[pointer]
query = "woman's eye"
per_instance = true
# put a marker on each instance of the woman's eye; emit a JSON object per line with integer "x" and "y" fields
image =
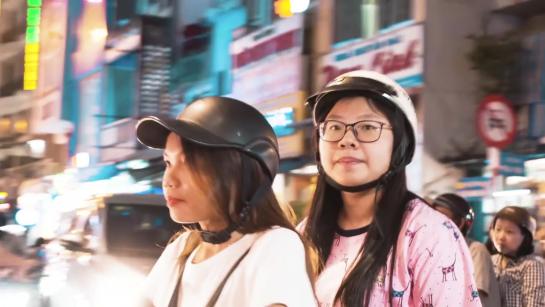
{"x": 367, "y": 127}
{"x": 167, "y": 163}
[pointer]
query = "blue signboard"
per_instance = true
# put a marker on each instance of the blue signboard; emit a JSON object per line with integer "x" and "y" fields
{"x": 511, "y": 164}
{"x": 282, "y": 121}
{"x": 474, "y": 188}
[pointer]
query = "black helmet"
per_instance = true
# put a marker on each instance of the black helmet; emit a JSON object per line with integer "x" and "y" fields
{"x": 517, "y": 215}
{"x": 217, "y": 122}
{"x": 459, "y": 207}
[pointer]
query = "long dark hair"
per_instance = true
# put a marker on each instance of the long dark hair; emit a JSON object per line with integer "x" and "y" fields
{"x": 232, "y": 177}
{"x": 385, "y": 228}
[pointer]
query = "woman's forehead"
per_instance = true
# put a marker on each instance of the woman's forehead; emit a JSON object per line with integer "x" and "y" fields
{"x": 173, "y": 144}
{"x": 355, "y": 108}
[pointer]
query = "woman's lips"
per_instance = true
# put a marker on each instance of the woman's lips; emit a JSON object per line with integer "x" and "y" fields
{"x": 349, "y": 160}
{"x": 171, "y": 201}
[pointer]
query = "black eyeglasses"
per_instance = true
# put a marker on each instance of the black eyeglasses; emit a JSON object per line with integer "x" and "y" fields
{"x": 365, "y": 131}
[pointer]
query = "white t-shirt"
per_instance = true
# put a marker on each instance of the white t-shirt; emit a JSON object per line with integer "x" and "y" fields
{"x": 273, "y": 272}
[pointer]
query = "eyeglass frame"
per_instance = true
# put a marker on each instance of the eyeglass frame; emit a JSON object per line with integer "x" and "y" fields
{"x": 346, "y": 126}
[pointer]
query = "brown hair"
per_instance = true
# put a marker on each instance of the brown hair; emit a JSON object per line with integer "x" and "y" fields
{"x": 220, "y": 170}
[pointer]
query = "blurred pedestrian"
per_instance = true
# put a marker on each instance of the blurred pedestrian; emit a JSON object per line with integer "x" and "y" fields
{"x": 16, "y": 267}
{"x": 380, "y": 245}
{"x": 14, "y": 261}
{"x": 540, "y": 238}
{"x": 221, "y": 157}
{"x": 460, "y": 212}
{"x": 520, "y": 274}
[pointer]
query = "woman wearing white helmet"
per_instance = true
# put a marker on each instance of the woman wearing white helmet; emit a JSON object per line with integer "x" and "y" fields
{"x": 380, "y": 245}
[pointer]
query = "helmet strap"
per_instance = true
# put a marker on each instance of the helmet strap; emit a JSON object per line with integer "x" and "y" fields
{"x": 222, "y": 236}
{"x": 377, "y": 183}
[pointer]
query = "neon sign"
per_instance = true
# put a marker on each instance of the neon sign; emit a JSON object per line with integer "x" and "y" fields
{"x": 281, "y": 121}
{"x": 32, "y": 44}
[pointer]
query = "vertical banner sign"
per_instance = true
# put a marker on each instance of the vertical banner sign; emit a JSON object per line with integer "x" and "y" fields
{"x": 32, "y": 44}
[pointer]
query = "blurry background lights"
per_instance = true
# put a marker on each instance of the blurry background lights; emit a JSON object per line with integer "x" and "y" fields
{"x": 519, "y": 192}
{"x": 37, "y": 148}
{"x": 99, "y": 34}
{"x": 299, "y": 6}
{"x": 4, "y": 207}
{"x": 26, "y": 217}
{"x": 286, "y": 8}
{"x": 82, "y": 159}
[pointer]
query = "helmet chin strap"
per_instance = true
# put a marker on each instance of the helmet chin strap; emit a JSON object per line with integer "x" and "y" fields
{"x": 218, "y": 237}
{"x": 222, "y": 236}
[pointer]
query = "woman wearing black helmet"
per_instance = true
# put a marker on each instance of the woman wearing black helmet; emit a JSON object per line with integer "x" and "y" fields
{"x": 221, "y": 156}
{"x": 460, "y": 212}
{"x": 521, "y": 275}
{"x": 379, "y": 244}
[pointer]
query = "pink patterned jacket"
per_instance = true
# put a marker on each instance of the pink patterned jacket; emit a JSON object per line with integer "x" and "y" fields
{"x": 433, "y": 264}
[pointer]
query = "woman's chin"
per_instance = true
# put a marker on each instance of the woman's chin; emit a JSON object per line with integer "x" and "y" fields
{"x": 351, "y": 181}
{"x": 504, "y": 250}
{"x": 181, "y": 219}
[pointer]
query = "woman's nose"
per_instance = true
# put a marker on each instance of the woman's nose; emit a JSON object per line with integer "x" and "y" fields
{"x": 349, "y": 138}
{"x": 169, "y": 181}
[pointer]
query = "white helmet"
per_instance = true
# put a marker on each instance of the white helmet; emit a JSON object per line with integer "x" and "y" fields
{"x": 365, "y": 83}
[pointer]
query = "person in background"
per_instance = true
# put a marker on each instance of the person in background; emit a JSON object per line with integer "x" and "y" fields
{"x": 14, "y": 264}
{"x": 460, "y": 212}
{"x": 379, "y": 244}
{"x": 540, "y": 238}
{"x": 239, "y": 248}
{"x": 520, "y": 274}
{"x": 15, "y": 267}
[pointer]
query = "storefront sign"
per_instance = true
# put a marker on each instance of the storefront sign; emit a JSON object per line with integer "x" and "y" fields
{"x": 283, "y": 113}
{"x": 268, "y": 64}
{"x": 474, "y": 187}
{"x": 398, "y": 54}
{"x": 511, "y": 164}
{"x": 282, "y": 121}
{"x": 496, "y": 121}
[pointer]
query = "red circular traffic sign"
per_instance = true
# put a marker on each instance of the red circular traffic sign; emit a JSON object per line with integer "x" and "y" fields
{"x": 496, "y": 121}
